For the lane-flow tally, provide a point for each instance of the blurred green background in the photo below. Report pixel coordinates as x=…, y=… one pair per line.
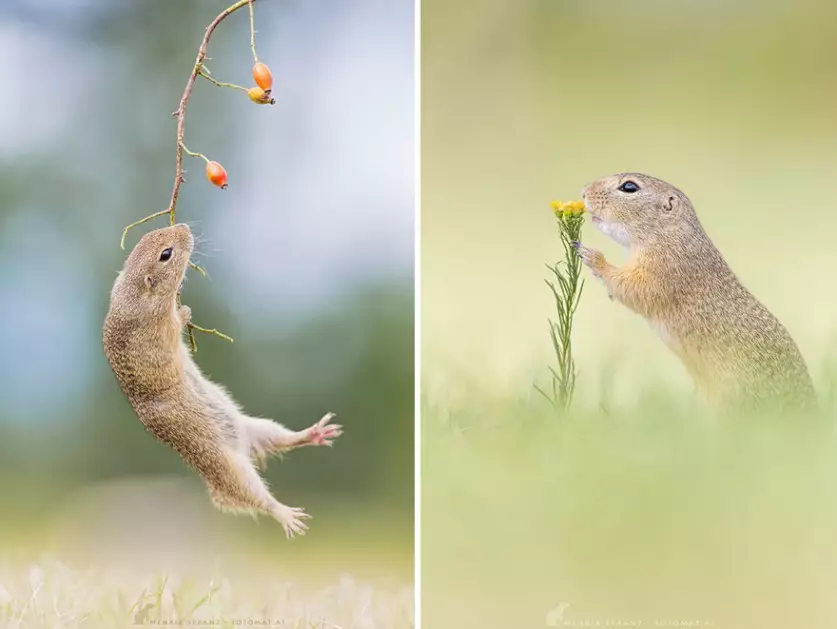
x=309, y=252
x=634, y=507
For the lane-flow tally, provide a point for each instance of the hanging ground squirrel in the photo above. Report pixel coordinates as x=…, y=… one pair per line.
x=739, y=355
x=143, y=340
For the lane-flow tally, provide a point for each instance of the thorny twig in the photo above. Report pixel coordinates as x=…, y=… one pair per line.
x=180, y=114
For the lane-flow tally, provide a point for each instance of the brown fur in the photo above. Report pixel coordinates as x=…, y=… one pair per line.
x=143, y=341
x=738, y=353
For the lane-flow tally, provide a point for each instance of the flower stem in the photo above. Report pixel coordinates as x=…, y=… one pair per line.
x=566, y=287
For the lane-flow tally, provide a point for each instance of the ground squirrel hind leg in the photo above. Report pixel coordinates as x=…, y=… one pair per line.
x=266, y=436
x=240, y=488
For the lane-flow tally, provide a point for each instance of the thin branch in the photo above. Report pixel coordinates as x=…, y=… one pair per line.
x=192, y=342
x=193, y=154
x=140, y=222
x=219, y=83
x=253, y=33
x=199, y=269
x=212, y=331
x=180, y=113
x=184, y=100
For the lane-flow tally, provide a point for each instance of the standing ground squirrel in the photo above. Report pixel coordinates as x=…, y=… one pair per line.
x=143, y=340
x=739, y=355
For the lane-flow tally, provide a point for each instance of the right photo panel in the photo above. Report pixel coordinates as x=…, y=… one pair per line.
x=629, y=334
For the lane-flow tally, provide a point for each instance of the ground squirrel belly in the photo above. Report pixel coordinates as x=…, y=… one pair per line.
x=143, y=341
x=737, y=352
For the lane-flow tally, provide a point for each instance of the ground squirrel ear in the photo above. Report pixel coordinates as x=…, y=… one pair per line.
x=669, y=205
x=150, y=281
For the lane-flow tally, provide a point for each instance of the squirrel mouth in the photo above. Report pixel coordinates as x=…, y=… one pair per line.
x=597, y=220
x=614, y=231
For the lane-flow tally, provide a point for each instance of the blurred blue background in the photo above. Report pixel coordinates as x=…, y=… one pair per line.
x=309, y=250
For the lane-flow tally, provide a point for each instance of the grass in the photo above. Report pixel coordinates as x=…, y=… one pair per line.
x=51, y=595
x=655, y=514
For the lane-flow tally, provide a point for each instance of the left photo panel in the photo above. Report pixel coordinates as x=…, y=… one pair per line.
x=207, y=286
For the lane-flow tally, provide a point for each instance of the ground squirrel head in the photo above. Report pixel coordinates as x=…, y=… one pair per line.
x=154, y=270
x=637, y=210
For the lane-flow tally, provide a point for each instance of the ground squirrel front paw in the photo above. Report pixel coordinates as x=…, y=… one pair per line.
x=184, y=313
x=592, y=259
x=322, y=433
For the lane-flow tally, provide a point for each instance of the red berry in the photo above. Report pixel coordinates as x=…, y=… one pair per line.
x=262, y=75
x=216, y=174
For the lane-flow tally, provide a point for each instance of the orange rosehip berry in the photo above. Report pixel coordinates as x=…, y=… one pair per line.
x=260, y=96
x=216, y=174
x=262, y=75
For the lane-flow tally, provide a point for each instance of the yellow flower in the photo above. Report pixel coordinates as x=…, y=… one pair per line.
x=568, y=208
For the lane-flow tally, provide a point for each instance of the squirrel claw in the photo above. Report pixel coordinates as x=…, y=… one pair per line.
x=291, y=519
x=592, y=259
x=322, y=433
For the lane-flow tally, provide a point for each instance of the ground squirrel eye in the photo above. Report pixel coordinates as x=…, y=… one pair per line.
x=629, y=186
x=166, y=255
